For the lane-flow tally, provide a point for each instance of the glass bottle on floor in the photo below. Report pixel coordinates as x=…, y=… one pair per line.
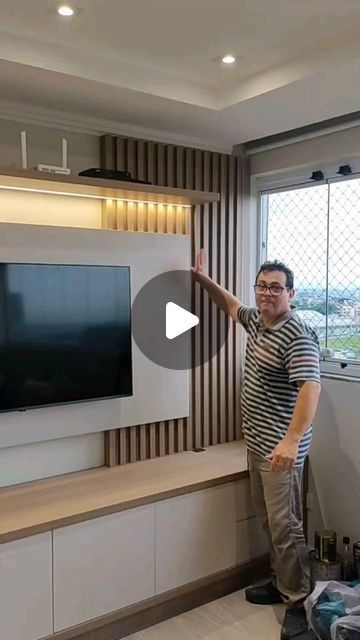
x=347, y=564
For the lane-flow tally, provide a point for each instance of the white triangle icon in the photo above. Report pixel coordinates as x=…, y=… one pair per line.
x=178, y=320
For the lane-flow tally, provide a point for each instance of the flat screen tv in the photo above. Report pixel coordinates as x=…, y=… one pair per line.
x=65, y=334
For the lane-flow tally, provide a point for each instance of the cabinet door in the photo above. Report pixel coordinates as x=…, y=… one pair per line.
x=195, y=536
x=26, y=588
x=103, y=565
x=251, y=540
x=244, y=506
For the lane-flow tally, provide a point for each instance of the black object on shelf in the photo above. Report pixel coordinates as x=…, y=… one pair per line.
x=344, y=170
x=317, y=175
x=111, y=174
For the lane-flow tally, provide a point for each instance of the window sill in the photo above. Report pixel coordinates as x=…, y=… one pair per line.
x=336, y=369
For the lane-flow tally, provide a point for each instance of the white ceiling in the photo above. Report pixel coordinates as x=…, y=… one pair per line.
x=152, y=67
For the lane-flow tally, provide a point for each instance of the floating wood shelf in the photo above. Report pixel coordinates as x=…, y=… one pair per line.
x=94, y=187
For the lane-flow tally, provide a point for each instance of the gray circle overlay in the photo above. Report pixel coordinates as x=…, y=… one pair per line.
x=190, y=349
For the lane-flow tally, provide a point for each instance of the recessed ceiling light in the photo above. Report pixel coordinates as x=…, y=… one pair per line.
x=229, y=59
x=65, y=11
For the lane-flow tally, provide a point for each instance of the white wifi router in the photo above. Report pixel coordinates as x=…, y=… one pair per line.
x=46, y=168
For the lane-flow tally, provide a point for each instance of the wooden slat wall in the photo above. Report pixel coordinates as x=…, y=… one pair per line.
x=215, y=387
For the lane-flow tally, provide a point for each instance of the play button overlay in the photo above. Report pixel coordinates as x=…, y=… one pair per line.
x=174, y=322
x=178, y=320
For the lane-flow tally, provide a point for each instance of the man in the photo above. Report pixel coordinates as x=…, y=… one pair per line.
x=280, y=391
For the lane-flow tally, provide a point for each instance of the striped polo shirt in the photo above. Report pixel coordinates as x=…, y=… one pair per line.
x=276, y=359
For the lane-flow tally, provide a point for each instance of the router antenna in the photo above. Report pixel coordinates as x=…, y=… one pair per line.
x=63, y=169
x=64, y=153
x=23, y=150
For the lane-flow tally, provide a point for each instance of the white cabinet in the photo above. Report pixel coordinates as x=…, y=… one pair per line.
x=251, y=541
x=195, y=536
x=26, y=588
x=103, y=565
x=53, y=581
x=244, y=504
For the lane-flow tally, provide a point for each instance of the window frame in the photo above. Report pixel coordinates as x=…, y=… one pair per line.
x=329, y=366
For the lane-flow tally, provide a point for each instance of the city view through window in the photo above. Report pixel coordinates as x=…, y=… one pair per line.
x=316, y=232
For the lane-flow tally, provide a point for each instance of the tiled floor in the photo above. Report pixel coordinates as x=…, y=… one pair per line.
x=229, y=618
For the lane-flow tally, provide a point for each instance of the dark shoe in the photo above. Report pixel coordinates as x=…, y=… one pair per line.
x=295, y=625
x=263, y=594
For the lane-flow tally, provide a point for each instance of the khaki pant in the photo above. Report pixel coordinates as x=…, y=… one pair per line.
x=277, y=502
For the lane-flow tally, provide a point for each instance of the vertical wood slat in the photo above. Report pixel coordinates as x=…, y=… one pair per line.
x=193, y=169
x=162, y=438
x=215, y=386
x=112, y=448
x=204, y=310
x=152, y=440
x=133, y=453
x=231, y=341
x=108, y=152
x=171, y=448
x=223, y=320
x=242, y=193
x=123, y=447
x=215, y=314
x=180, y=436
x=199, y=217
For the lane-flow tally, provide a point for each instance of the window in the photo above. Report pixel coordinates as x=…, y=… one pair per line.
x=316, y=231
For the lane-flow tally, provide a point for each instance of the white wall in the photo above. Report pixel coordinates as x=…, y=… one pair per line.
x=44, y=147
x=332, y=148
x=65, y=455
x=335, y=460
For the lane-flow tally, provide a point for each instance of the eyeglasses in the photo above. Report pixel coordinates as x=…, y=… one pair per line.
x=274, y=289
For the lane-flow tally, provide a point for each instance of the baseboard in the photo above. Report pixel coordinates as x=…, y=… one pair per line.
x=124, y=622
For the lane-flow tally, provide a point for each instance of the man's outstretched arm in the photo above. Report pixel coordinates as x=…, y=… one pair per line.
x=225, y=300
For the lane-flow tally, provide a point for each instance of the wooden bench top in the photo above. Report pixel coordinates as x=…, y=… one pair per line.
x=43, y=505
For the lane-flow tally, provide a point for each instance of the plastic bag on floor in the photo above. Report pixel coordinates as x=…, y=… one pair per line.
x=347, y=628
x=328, y=604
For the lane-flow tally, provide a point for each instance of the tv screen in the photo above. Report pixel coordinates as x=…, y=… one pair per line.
x=65, y=334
